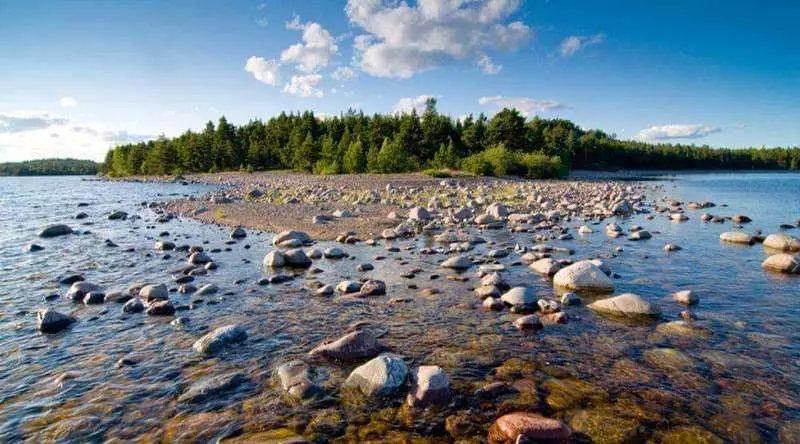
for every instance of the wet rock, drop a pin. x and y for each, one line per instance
(94, 297)
(529, 322)
(365, 267)
(491, 303)
(359, 344)
(457, 263)
(32, 248)
(518, 426)
(334, 253)
(274, 259)
(55, 230)
(348, 287)
(691, 435)
(685, 297)
(570, 299)
(782, 263)
(199, 258)
(672, 247)
(325, 290)
(152, 293)
(133, 306)
(583, 276)
(238, 233)
(51, 321)
(737, 237)
(497, 210)
(430, 385)
(160, 308)
(207, 289)
(684, 328)
(741, 219)
(78, 290)
(606, 425)
(520, 298)
(118, 215)
(640, 235)
(379, 377)
(327, 422)
(296, 258)
(554, 318)
(372, 287)
(219, 339)
(164, 246)
(782, 242)
(668, 359)
(118, 297)
(546, 266)
(488, 291)
(295, 379)
(622, 208)
(419, 213)
(291, 235)
(212, 387)
(627, 305)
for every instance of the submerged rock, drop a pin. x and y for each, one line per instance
(626, 305)
(78, 291)
(359, 344)
(220, 338)
(583, 276)
(521, 426)
(529, 322)
(55, 230)
(295, 379)
(51, 321)
(212, 387)
(381, 376)
(684, 328)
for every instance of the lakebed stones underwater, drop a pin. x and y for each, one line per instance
(403, 351)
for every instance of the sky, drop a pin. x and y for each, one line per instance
(80, 76)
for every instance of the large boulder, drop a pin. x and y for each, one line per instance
(626, 305)
(430, 385)
(524, 426)
(737, 237)
(290, 235)
(583, 276)
(782, 242)
(782, 263)
(381, 376)
(296, 258)
(218, 339)
(356, 345)
(51, 321)
(55, 230)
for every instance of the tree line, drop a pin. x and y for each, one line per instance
(49, 167)
(354, 142)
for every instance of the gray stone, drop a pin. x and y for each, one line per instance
(220, 338)
(359, 344)
(51, 321)
(55, 230)
(382, 376)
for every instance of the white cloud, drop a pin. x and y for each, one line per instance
(401, 41)
(524, 105)
(682, 131)
(266, 71)
(576, 43)
(343, 73)
(407, 104)
(68, 102)
(27, 135)
(304, 86)
(488, 66)
(316, 50)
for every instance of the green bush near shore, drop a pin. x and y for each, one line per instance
(498, 161)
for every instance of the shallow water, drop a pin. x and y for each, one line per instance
(740, 384)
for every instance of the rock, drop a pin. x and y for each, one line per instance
(583, 276)
(546, 266)
(520, 297)
(289, 235)
(605, 425)
(348, 287)
(212, 387)
(737, 237)
(164, 246)
(554, 318)
(488, 291)
(518, 426)
(419, 213)
(372, 287)
(359, 344)
(491, 303)
(570, 299)
(325, 290)
(296, 258)
(220, 338)
(295, 379)
(741, 219)
(678, 217)
(685, 297)
(782, 263)
(161, 308)
(622, 208)
(365, 267)
(668, 359)
(782, 242)
(32, 248)
(379, 377)
(238, 233)
(547, 306)
(78, 290)
(94, 297)
(528, 322)
(430, 385)
(497, 211)
(640, 235)
(274, 259)
(626, 305)
(55, 230)
(342, 214)
(457, 263)
(585, 229)
(118, 215)
(133, 306)
(152, 293)
(684, 328)
(313, 253)
(672, 247)
(51, 321)
(334, 253)
(207, 289)
(199, 258)
(693, 435)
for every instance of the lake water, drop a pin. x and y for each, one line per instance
(741, 384)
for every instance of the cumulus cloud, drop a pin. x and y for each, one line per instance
(316, 50)
(679, 131)
(400, 40)
(266, 71)
(407, 104)
(525, 105)
(487, 65)
(575, 43)
(343, 73)
(68, 102)
(39, 135)
(304, 85)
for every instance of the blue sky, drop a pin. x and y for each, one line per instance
(79, 76)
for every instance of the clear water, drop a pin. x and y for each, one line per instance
(741, 385)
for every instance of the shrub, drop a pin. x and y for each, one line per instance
(498, 161)
(437, 173)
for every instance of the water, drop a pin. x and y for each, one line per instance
(741, 384)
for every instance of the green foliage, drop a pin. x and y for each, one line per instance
(435, 172)
(49, 167)
(353, 143)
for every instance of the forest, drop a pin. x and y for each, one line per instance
(354, 142)
(49, 167)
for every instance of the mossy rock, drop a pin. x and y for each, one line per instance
(526, 399)
(327, 422)
(202, 427)
(689, 435)
(604, 425)
(515, 368)
(736, 428)
(626, 371)
(668, 359)
(564, 394)
(463, 425)
(276, 436)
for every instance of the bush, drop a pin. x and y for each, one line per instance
(498, 161)
(437, 173)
